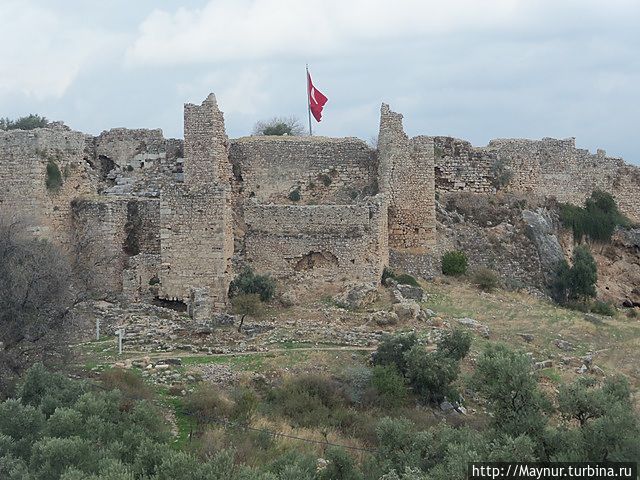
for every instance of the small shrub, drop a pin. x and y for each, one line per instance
(486, 279)
(632, 313)
(129, 383)
(356, 379)
(325, 179)
(402, 278)
(308, 401)
(279, 126)
(455, 344)
(390, 386)
(392, 350)
(54, 176)
(248, 282)
(501, 174)
(294, 195)
(206, 405)
(431, 374)
(29, 122)
(454, 263)
(244, 406)
(603, 308)
(597, 220)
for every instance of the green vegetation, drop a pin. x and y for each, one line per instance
(294, 195)
(249, 282)
(29, 122)
(501, 175)
(578, 281)
(278, 126)
(246, 304)
(402, 278)
(53, 178)
(454, 263)
(486, 279)
(596, 221)
(325, 179)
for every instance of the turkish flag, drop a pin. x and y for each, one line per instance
(316, 99)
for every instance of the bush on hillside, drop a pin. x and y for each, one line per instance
(249, 282)
(576, 282)
(454, 263)
(486, 279)
(402, 278)
(389, 385)
(455, 344)
(392, 350)
(597, 220)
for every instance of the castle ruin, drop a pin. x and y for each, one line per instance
(181, 218)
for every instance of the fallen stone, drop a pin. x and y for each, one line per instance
(411, 292)
(593, 318)
(564, 345)
(446, 406)
(596, 369)
(384, 318)
(582, 369)
(543, 364)
(358, 296)
(407, 310)
(527, 337)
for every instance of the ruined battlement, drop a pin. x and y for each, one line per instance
(548, 167)
(319, 169)
(178, 219)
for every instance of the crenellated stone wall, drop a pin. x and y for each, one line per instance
(324, 241)
(546, 168)
(321, 170)
(174, 219)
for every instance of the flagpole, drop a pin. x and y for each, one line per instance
(309, 100)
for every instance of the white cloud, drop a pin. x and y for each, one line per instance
(228, 30)
(42, 53)
(254, 29)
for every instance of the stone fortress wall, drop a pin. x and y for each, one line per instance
(547, 167)
(178, 219)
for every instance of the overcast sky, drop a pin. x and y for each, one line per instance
(474, 69)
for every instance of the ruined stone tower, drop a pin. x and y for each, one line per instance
(406, 176)
(196, 234)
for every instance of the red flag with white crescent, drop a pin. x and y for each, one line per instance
(316, 99)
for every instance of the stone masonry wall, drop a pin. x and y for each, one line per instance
(461, 167)
(547, 168)
(24, 156)
(196, 228)
(321, 169)
(406, 175)
(325, 241)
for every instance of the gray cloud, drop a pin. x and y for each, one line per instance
(476, 70)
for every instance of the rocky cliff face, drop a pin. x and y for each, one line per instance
(521, 238)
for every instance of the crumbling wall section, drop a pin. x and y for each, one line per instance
(196, 243)
(406, 175)
(323, 241)
(461, 167)
(551, 167)
(320, 169)
(196, 229)
(24, 157)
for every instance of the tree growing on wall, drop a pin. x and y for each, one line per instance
(576, 282)
(24, 123)
(279, 126)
